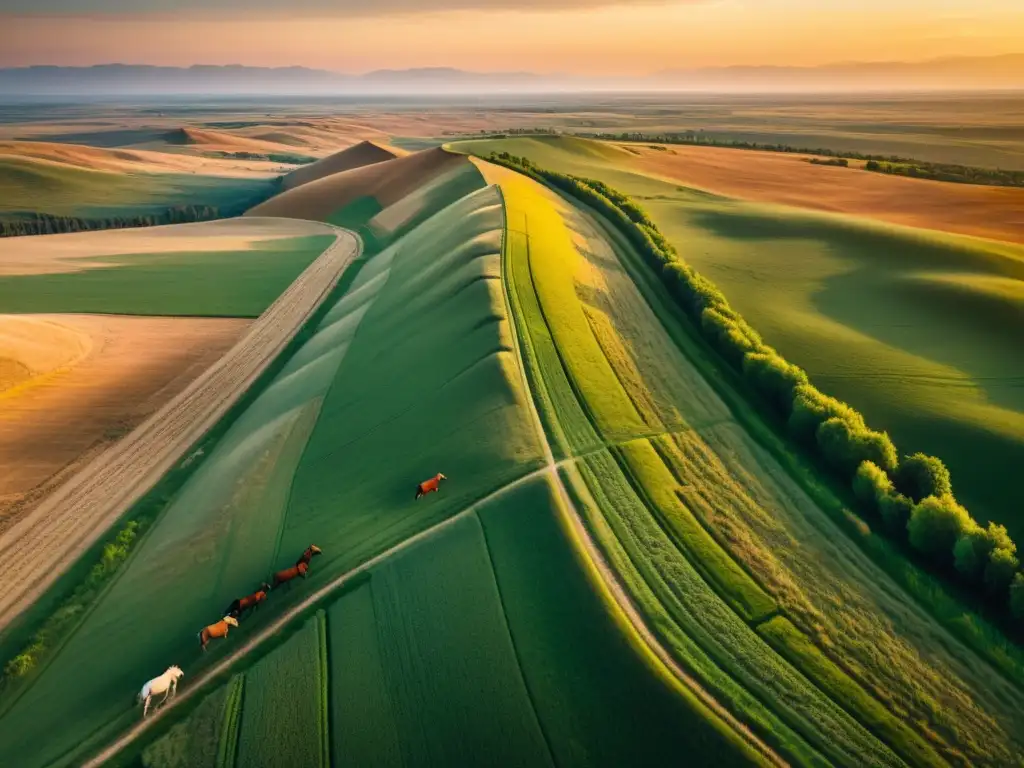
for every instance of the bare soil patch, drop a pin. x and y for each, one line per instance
(357, 156)
(129, 367)
(983, 211)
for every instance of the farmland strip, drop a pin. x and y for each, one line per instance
(61, 529)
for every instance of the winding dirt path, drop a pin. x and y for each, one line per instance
(35, 551)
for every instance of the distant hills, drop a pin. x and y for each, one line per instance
(955, 73)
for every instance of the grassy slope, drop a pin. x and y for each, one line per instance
(446, 687)
(918, 330)
(215, 283)
(669, 542)
(281, 708)
(329, 453)
(28, 186)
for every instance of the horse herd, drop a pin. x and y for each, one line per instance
(167, 683)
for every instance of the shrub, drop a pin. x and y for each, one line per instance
(895, 509)
(845, 446)
(1017, 596)
(970, 553)
(936, 524)
(812, 408)
(999, 573)
(871, 484)
(733, 339)
(773, 377)
(921, 475)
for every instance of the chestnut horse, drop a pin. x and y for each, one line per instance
(429, 486)
(242, 604)
(285, 576)
(311, 551)
(220, 629)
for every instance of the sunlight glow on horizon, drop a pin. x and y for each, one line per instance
(627, 40)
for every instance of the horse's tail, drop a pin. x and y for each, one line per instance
(233, 608)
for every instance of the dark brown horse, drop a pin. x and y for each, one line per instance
(429, 486)
(311, 551)
(242, 604)
(220, 629)
(285, 576)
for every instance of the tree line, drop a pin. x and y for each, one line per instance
(912, 495)
(51, 224)
(891, 164)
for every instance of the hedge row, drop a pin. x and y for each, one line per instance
(913, 495)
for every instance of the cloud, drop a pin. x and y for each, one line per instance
(335, 8)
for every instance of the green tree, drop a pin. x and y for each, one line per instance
(935, 526)
(1002, 565)
(921, 475)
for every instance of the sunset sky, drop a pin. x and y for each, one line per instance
(572, 36)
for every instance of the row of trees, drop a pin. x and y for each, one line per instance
(51, 224)
(913, 495)
(893, 164)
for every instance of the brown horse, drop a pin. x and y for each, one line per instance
(220, 629)
(311, 551)
(242, 604)
(429, 486)
(285, 576)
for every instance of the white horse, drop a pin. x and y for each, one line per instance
(167, 684)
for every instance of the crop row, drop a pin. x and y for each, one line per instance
(913, 495)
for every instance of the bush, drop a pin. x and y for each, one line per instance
(733, 339)
(1017, 596)
(936, 524)
(773, 377)
(895, 509)
(970, 553)
(812, 408)
(871, 484)
(845, 446)
(1001, 568)
(920, 475)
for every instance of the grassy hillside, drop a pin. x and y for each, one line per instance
(916, 329)
(486, 638)
(714, 539)
(330, 453)
(239, 283)
(30, 186)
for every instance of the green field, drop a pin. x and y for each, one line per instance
(918, 330)
(330, 453)
(200, 283)
(495, 636)
(29, 186)
(449, 654)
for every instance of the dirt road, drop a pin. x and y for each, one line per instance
(35, 550)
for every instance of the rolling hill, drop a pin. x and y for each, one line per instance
(362, 154)
(624, 565)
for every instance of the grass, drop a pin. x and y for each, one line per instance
(213, 283)
(751, 507)
(314, 458)
(792, 644)
(599, 699)
(722, 634)
(227, 752)
(916, 329)
(28, 186)
(324, 673)
(283, 704)
(192, 743)
(649, 473)
(446, 662)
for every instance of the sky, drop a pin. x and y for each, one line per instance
(589, 37)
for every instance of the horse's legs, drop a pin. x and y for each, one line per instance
(145, 709)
